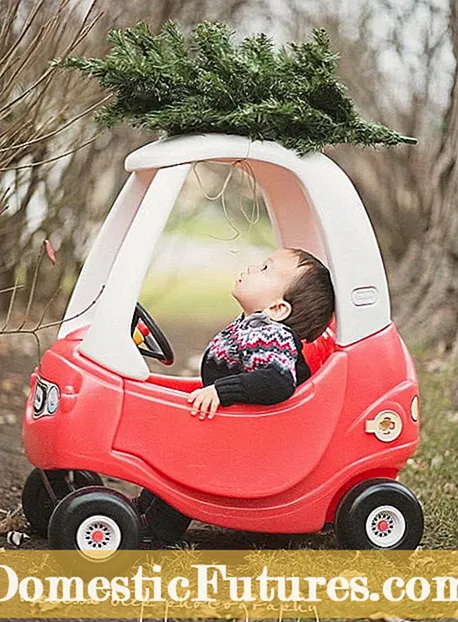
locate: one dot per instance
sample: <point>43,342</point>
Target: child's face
<point>262,287</point>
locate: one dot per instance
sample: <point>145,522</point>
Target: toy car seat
<point>317,352</point>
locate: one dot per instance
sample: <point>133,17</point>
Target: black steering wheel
<point>158,346</point>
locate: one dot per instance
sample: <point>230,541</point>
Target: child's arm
<point>263,386</point>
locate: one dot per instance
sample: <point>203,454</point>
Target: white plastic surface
<point>108,340</point>
<point>312,204</point>
<point>98,264</point>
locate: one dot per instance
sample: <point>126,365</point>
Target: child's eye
<point>264,267</point>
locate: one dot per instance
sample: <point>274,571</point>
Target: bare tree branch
<point>59,129</point>
<point>11,305</point>
<point>62,155</point>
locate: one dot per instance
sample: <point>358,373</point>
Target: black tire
<point>379,514</point>
<point>82,514</point>
<point>36,501</point>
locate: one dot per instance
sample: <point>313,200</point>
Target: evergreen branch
<point>169,84</point>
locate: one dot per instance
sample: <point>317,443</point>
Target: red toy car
<point>329,454</point>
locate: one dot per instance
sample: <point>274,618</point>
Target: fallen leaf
<point>50,251</point>
<point>13,521</point>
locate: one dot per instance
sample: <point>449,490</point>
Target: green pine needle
<point>170,85</point>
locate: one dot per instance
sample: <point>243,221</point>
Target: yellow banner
<point>236,584</point>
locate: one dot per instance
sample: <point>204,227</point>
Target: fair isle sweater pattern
<point>255,342</point>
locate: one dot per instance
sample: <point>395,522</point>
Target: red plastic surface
<point>280,469</point>
<point>317,353</point>
<point>238,446</point>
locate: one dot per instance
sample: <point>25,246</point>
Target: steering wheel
<point>158,346</point>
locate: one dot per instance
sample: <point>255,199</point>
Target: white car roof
<point>312,205</point>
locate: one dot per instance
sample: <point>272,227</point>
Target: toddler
<point>257,358</point>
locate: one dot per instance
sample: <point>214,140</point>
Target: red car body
<point>281,468</point>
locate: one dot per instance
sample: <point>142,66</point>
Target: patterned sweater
<point>254,360</point>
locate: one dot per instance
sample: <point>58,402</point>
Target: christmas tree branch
<point>168,84</point>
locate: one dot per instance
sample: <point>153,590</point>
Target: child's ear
<point>278,311</point>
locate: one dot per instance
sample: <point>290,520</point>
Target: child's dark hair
<point>311,297</point>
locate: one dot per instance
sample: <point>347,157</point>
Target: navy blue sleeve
<point>263,386</point>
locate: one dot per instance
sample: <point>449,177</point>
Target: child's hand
<point>206,400</point>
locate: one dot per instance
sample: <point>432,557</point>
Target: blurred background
<point>397,59</point>
<point>59,176</point>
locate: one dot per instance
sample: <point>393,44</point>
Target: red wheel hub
<point>382,525</point>
<point>97,536</point>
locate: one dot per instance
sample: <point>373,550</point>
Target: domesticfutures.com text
<point>211,582</point>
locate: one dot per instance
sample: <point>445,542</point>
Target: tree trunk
<point>425,289</point>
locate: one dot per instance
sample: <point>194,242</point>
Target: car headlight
<point>52,401</point>
<point>39,399</point>
<point>46,398</point>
